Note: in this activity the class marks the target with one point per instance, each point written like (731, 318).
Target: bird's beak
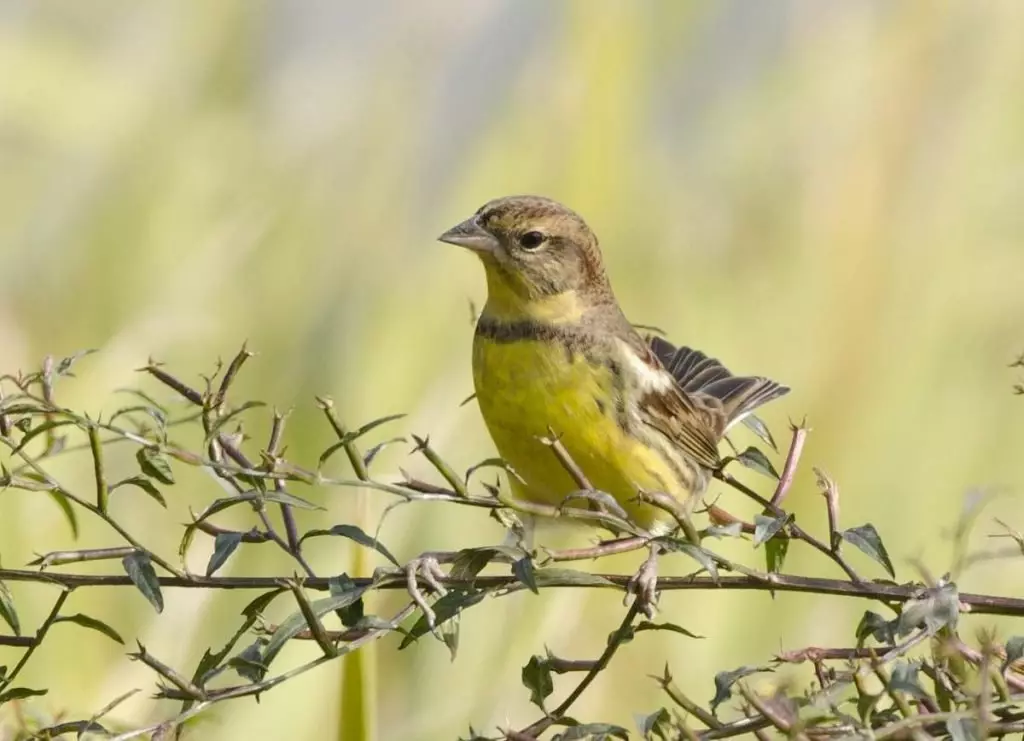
(470, 235)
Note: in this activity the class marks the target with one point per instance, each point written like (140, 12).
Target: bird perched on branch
(554, 356)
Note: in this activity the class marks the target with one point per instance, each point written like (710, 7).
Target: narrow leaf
(223, 546)
(91, 623)
(867, 539)
(68, 511)
(39, 430)
(140, 571)
(697, 554)
(141, 482)
(524, 572)
(725, 680)
(759, 428)
(445, 609)
(671, 627)
(352, 532)
(571, 577)
(283, 497)
(775, 551)
(7, 611)
(20, 693)
(297, 621)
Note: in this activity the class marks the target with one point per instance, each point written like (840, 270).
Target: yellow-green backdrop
(827, 193)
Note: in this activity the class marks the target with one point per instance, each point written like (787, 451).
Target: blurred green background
(826, 193)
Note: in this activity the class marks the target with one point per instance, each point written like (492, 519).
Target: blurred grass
(824, 193)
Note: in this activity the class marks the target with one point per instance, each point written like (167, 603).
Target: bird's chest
(526, 387)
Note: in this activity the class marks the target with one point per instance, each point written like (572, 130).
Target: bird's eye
(531, 240)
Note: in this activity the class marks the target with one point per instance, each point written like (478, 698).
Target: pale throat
(504, 304)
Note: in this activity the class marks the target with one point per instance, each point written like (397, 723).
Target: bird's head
(536, 253)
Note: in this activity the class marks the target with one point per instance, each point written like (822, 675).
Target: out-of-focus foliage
(825, 193)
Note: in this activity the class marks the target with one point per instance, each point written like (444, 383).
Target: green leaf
(351, 437)
(536, 676)
(569, 577)
(41, 429)
(775, 551)
(445, 608)
(20, 693)
(759, 428)
(732, 530)
(296, 623)
(7, 611)
(372, 452)
(524, 572)
(157, 414)
(450, 631)
(248, 663)
(283, 497)
(765, 527)
(659, 722)
(92, 624)
(671, 627)
(69, 512)
(224, 544)
(936, 608)
(140, 571)
(725, 680)
(154, 464)
(64, 366)
(141, 482)
(217, 426)
(351, 614)
(470, 562)
(963, 729)
(1014, 650)
(904, 679)
(594, 731)
(874, 625)
(352, 532)
(754, 459)
(697, 554)
(500, 463)
(867, 539)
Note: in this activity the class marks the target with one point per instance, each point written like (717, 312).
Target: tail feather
(698, 374)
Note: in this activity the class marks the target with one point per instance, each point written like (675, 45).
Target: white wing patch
(645, 377)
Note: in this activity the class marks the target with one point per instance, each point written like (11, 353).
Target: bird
(554, 357)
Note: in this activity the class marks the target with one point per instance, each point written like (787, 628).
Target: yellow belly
(526, 387)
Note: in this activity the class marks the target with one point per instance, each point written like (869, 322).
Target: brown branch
(979, 604)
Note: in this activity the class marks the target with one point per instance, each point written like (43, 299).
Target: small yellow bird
(553, 352)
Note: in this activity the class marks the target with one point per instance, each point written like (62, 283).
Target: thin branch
(796, 447)
(979, 604)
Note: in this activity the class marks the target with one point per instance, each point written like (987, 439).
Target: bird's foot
(428, 569)
(643, 585)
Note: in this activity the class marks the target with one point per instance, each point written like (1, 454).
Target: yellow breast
(527, 387)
